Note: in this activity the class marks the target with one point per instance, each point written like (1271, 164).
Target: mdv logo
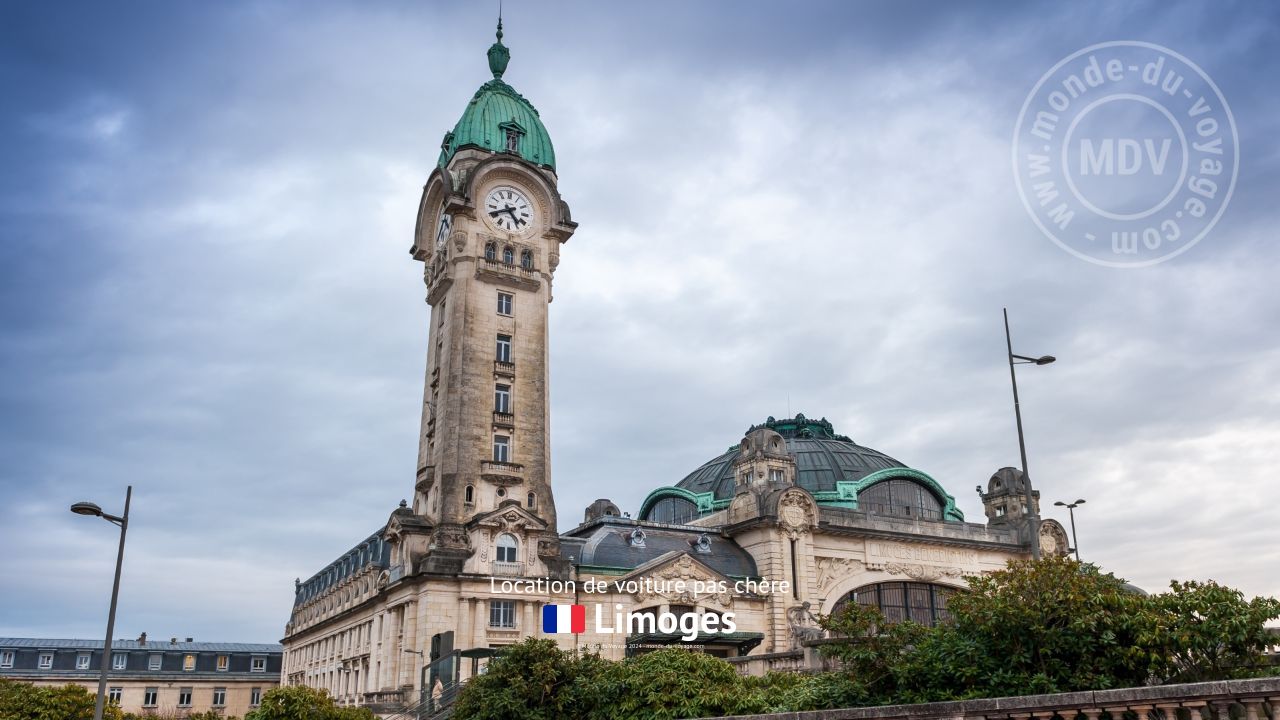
(1124, 156)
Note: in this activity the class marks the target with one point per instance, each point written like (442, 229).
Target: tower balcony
(504, 420)
(508, 274)
(503, 473)
(504, 369)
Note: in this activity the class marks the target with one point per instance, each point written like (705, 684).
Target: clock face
(442, 233)
(508, 209)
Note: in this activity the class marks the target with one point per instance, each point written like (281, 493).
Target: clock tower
(489, 231)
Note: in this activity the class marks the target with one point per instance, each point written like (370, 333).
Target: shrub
(24, 701)
(297, 702)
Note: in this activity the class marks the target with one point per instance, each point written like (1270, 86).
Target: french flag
(564, 619)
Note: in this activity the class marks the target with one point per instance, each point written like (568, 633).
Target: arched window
(508, 255)
(469, 495)
(673, 510)
(900, 497)
(526, 259)
(490, 251)
(507, 550)
(924, 603)
(532, 500)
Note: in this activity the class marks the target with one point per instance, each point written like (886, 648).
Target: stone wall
(1241, 699)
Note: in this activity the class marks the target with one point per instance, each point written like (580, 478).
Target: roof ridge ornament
(499, 55)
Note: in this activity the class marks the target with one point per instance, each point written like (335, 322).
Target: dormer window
(512, 132)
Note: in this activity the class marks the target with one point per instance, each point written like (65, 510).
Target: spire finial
(499, 55)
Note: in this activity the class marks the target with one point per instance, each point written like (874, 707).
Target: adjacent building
(170, 677)
(792, 521)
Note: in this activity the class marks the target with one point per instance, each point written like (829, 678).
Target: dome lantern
(499, 55)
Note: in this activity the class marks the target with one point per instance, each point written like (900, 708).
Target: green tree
(297, 702)
(1210, 632)
(1054, 625)
(24, 701)
(533, 680)
(674, 683)
(870, 651)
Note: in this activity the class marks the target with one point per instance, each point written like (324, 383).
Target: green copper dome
(499, 119)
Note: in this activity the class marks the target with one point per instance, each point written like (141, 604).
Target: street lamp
(1071, 508)
(91, 509)
(1033, 519)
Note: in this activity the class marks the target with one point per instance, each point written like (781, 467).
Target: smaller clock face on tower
(442, 230)
(508, 209)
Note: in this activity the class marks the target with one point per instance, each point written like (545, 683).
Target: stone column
(410, 621)
(527, 626)
(466, 626)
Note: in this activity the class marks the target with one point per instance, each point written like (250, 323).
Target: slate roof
(608, 544)
(372, 551)
(151, 645)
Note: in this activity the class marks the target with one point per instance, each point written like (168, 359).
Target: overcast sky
(205, 289)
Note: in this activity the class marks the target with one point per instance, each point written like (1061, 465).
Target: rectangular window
(219, 697)
(149, 697)
(184, 697)
(259, 664)
(82, 661)
(501, 448)
(506, 301)
(119, 661)
(114, 694)
(504, 349)
(46, 660)
(153, 662)
(775, 476)
(188, 663)
(255, 697)
(222, 663)
(6, 658)
(502, 613)
(502, 399)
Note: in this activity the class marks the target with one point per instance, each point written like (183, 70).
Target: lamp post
(88, 508)
(1071, 508)
(1033, 518)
